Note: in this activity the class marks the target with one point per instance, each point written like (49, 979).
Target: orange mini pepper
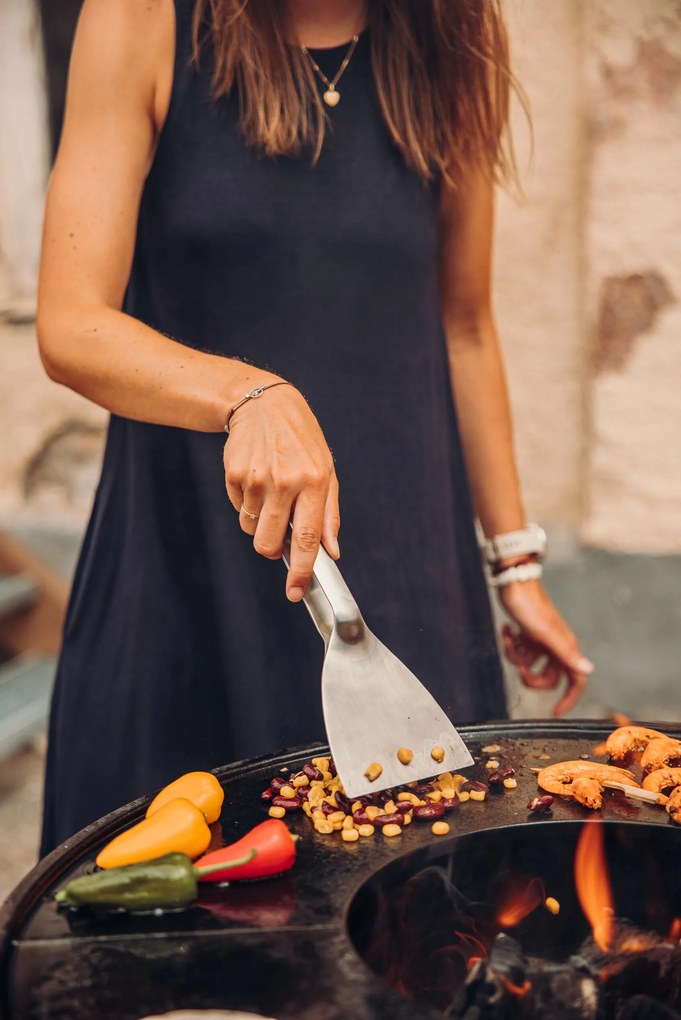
(178, 826)
(201, 788)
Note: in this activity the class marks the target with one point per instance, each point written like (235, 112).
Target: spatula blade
(374, 705)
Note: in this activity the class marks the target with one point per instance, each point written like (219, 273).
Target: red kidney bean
(497, 777)
(267, 794)
(429, 812)
(423, 789)
(473, 784)
(366, 799)
(312, 772)
(361, 818)
(302, 793)
(290, 803)
(344, 803)
(332, 768)
(449, 803)
(327, 808)
(381, 820)
(539, 804)
(277, 782)
(403, 806)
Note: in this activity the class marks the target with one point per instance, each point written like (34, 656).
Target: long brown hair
(441, 69)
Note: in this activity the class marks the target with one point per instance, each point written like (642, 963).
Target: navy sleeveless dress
(180, 649)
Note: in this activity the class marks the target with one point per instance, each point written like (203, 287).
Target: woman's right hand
(278, 467)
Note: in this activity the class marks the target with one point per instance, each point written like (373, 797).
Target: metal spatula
(372, 703)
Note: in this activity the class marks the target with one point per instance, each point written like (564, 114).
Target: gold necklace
(332, 96)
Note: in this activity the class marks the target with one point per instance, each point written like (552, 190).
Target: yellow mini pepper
(177, 827)
(201, 788)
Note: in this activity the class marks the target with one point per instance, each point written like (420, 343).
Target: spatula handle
(328, 599)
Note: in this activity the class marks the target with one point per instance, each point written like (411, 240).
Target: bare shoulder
(125, 48)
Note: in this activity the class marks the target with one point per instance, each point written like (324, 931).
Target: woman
(248, 193)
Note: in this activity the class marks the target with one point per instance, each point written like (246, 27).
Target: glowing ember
(675, 929)
(593, 884)
(521, 904)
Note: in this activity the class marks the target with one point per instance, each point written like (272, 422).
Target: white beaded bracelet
(523, 572)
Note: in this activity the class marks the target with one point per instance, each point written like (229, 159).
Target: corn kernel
(336, 816)
(277, 812)
(405, 755)
(357, 806)
(349, 835)
(287, 791)
(476, 795)
(434, 797)
(391, 830)
(348, 822)
(464, 795)
(445, 779)
(492, 764)
(366, 830)
(406, 819)
(390, 808)
(327, 777)
(510, 782)
(438, 754)
(373, 771)
(448, 792)
(325, 828)
(372, 811)
(457, 781)
(552, 905)
(301, 781)
(439, 828)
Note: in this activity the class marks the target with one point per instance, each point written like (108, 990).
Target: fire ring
(291, 948)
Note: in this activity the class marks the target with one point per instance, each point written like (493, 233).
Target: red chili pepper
(275, 852)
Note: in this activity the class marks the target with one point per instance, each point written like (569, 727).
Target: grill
(303, 945)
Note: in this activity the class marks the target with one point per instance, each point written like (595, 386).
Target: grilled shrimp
(627, 739)
(582, 780)
(674, 805)
(662, 779)
(660, 752)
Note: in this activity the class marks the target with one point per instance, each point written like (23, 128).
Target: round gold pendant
(331, 97)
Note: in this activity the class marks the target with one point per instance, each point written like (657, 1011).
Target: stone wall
(589, 270)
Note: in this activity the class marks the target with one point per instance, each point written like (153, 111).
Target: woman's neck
(324, 24)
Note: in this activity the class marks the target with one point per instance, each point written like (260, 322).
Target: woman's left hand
(542, 633)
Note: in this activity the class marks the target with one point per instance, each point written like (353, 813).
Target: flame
(593, 883)
(675, 929)
(522, 904)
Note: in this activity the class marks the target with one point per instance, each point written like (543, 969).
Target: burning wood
(639, 978)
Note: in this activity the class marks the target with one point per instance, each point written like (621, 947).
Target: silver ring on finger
(253, 517)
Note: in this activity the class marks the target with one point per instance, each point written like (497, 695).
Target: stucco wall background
(587, 289)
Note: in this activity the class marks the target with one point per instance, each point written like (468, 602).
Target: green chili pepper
(165, 883)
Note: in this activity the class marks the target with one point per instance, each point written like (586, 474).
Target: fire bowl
(296, 947)
(430, 922)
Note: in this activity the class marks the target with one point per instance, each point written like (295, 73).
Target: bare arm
(483, 410)
(476, 365)
(276, 458)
